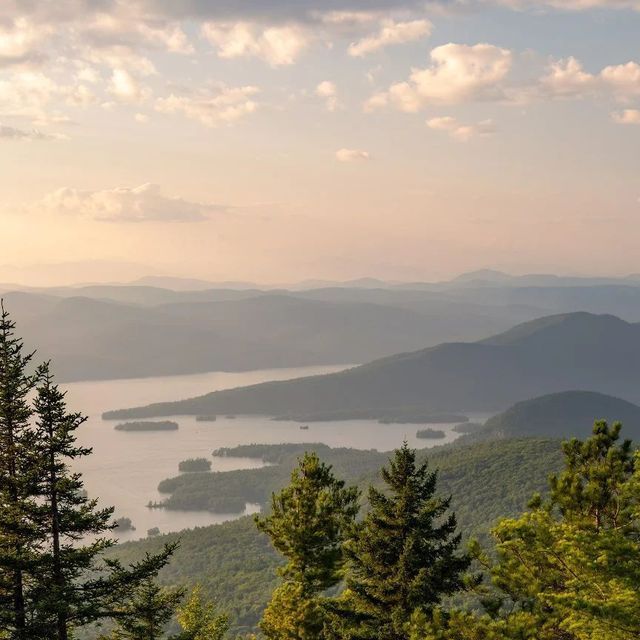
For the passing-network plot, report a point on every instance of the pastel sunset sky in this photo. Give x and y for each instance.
(277, 140)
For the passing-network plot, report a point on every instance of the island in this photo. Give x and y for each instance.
(162, 425)
(430, 434)
(193, 465)
(206, 418)
(124, 524)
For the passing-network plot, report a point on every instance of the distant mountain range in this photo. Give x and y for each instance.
(103, 331)
(551, 354)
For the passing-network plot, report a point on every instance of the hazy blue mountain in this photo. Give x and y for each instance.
(126, 332)
(563, 415)
(552, 354)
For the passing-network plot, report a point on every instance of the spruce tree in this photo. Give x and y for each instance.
(569, 567)
(404, 557)
(144, 615)
(62, 596)
(51, 580)
(18, 533)
(308, 523)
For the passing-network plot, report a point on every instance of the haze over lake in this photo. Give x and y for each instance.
(126, 467)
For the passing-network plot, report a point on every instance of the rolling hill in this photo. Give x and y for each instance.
(103, 332)
(552, 354)
(563, 415)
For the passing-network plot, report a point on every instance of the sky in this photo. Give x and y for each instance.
(280, 140)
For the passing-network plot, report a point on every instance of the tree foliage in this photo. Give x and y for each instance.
(404, 557)
(569, 568)
(308, 522)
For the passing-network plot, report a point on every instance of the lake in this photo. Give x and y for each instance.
(126, 467)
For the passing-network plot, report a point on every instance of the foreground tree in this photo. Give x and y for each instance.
(66, 516)
(200, 621)
(18, 533)
(404, 558)
(51, 580)
(308, 524)
(144, 615)
(569, 568)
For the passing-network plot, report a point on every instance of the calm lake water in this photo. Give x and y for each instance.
(126, 467)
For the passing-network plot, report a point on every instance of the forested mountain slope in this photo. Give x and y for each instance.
(552, 354)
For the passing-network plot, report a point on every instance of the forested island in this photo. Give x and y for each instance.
(193, 465)
(206, 418)
(144, 425)
(430, 434)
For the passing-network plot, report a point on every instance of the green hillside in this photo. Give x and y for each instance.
(235, 564)
(563, 415)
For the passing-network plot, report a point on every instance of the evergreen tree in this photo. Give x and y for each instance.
(404, 557)
(50, 581)
(308, 523)
(60, 598)
(200, 621)
(569, 568)
(144, 615)
(18, 533)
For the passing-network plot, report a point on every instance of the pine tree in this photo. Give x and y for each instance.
(308, 523)
(51, 581)
(200, 621)
(18, 535)
(569, 567)
(67, 516)
(404, 557)
(144, 615)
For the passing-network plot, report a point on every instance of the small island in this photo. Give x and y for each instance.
(194, 465)
(124, 524)
(162, 425)
(430, 434)
(206, 418)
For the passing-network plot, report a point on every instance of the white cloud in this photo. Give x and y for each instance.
(145, 203)
(131, 27)
(20, 40)
(459, 131)
(628, 116)
(391, 33)
(458, 73)
(329, 92)
(142, 118)
(277, 45)
(567, 78)
(14, 133)
(124, 87)
(212, 107)
(571, 5)
(352, 155)
(623, 79)
(26, 94)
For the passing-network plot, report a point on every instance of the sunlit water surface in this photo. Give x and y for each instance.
(126, 467)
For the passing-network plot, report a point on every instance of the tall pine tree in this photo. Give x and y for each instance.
(18, 533)
(52, 580)
(62, 595)
(308, 523)
(404, 558)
